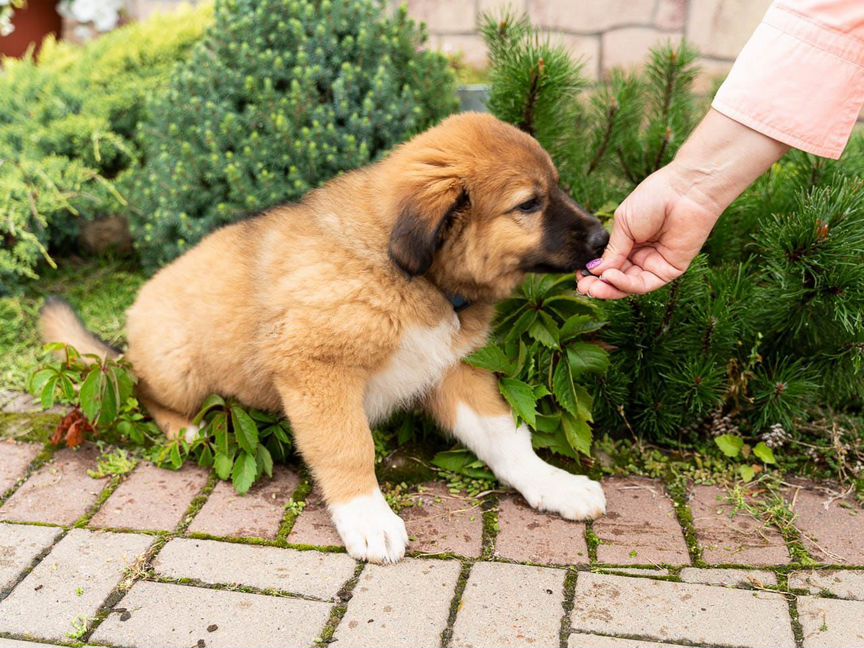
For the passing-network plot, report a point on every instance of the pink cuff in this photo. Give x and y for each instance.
(798, 81)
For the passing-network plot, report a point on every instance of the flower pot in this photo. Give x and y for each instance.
(32, 24)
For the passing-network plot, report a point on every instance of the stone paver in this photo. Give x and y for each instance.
(15, 458)
(680, 612)
(20, 545)
(71, 582)
(14, 643)
(728, 538)
(443, 523)
(829, 623)
(313, 526)
(843, 584)
(311, 573)
(579, 640)
(729, 577)
(507, 605)
(831, 530)
(526, 535)
(258, 514)
(398, 605)
(151, 499)
(190, 616)
(640, 526)
(635, 571)
(59, 492)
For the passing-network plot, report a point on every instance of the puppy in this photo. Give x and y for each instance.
(363, 299)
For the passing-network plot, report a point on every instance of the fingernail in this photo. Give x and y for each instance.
(593, 263)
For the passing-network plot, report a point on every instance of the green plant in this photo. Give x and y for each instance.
(113, 463)
(239, 444)
(764, 326)
(280, 96)
(541, 351)
(68, 133)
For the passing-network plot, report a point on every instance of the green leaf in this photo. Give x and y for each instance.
(521, 398)
(564, 389)
(205, 459)
(491, 358)
(264, 460)
(90, 394)
(279, 431)
(579, 325)
(245, 430)
(548, 423)
(584, 402)
(764, 453)
(110, 392)
(211, 402)
(556, 442)
(244, 472)
(543, 335)
(38, 380)
(747, 472)
(584, 357)
(521, 325)
(222, 464)
(729, 444)
(48, 393)
(219, 430)
(463, 462)
(578, 433)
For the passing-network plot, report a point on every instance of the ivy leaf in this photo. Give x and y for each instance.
(556, 442)
(211, 402)
(205, 459)
(543, 335)
(729, 444)
(564, 389)
(522, 324)
(579, 325)
(578, 433)
(89, 394)
(584, 357)
(222, 464)
(48, 392)
(491, 358)
(764, 453)
(521, 398)
(264, 460)
(548, 423)
(244, 473)
(219, 430)
(245, 430)
(38, 380)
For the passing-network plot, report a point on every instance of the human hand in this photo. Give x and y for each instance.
(661, 226)
(657, 232)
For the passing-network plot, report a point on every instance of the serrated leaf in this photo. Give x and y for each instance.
(48, 392)
(110, 393)
(491, 358)
(38, 380)
(579, 325)
(211, 402)
(205, 459)
(564, 389)
(219, 430)
(521, 325)
(453, 460)
(245, 430)
(578, 433)
(541, 333)
(90, 394)
(244, 473)
(729, 444)
(521, 398)
(764, 453)
(556, 442)
(264, 460)
(584, 357)
(548, 423)
(584, 402)
(222, 464)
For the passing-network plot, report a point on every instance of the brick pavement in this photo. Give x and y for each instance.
(151, 564)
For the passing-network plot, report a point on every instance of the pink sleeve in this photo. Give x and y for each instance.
(800, 78)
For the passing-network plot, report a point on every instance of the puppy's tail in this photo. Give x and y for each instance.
(58, 322)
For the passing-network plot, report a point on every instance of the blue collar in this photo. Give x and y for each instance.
(459, 302)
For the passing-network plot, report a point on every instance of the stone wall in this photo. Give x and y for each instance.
(604, 33)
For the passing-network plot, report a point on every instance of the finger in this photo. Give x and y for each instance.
(618, 248)
(653, 261)
(594, 287)
(633, 282)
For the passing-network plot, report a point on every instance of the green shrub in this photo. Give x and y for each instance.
(279, 97)
(68, 132)
(765, 326)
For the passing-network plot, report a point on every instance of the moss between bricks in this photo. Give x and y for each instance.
(33, 428)
(343, 596)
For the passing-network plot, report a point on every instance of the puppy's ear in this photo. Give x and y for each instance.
(425, 216)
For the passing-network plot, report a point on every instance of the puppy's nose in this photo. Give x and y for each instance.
(597, 241)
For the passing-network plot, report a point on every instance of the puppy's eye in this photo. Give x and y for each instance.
(529, 206)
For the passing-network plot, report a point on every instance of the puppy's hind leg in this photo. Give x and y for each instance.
(468, 403)
(172, 423)
(325, 406)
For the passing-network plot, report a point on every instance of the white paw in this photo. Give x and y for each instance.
(370, 529)
(190, 433)
(574, 497)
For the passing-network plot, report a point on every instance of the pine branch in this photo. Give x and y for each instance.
(671, 305)
(607, 136)
(626, 168)
(527, 122)
(658, 160)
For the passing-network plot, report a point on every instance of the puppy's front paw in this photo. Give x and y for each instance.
(370, 529)
(574, 497)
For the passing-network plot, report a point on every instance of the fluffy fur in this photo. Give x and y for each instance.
(336, 311)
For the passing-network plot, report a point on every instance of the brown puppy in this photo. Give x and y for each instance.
(340, 310)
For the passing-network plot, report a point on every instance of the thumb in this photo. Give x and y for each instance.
(617, 250)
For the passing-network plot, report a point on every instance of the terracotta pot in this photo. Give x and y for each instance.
(32, 24)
